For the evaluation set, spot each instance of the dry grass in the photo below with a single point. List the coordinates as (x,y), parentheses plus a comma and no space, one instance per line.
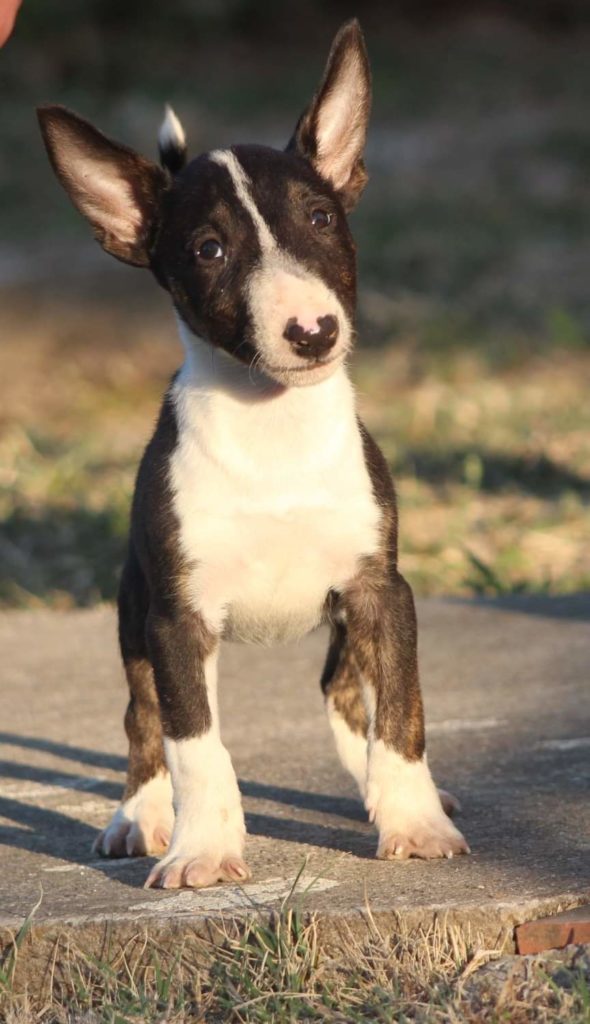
(276,970)
(492,468)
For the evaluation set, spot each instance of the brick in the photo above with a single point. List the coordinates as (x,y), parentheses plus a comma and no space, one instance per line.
(569,927)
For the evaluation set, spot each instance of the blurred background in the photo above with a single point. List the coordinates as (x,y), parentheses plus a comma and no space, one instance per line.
(473,362)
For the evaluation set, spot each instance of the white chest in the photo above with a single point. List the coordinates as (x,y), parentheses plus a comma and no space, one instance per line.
(274,502)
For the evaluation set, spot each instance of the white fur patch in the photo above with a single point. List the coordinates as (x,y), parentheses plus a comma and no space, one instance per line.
(351,747)
(171,133)
(209,816)
(242,185)
(209,825)
(272,495)
(399,791)
(146,813)
(404,803)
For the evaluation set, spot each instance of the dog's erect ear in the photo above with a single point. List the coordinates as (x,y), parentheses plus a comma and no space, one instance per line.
(331,133)
(172,142)
(116,189)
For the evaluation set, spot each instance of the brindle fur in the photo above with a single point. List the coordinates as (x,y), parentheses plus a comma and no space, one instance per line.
(143,723)
(374,633)
(341,682)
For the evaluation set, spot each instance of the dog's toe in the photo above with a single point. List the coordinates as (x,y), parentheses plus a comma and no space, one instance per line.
(196,872)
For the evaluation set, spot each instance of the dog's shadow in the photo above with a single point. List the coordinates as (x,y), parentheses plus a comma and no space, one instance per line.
(48,831)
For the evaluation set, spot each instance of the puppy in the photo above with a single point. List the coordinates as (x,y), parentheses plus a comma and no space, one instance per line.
(263,508)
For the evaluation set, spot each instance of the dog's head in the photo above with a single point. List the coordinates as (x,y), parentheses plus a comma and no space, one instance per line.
(252,243)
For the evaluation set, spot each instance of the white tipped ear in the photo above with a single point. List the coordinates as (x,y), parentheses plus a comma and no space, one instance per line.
(172,142)
(116,189)
(332,131)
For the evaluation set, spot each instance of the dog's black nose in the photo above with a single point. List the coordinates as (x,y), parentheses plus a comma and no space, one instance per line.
(315,342)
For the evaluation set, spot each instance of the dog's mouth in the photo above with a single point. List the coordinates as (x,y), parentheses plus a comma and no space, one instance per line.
(316,364)
(312,372)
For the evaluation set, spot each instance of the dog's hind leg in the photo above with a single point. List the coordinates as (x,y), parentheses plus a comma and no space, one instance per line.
(341,686)
(144,821)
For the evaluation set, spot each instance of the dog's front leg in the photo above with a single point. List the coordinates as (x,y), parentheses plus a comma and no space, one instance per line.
(209,830)
(401,797)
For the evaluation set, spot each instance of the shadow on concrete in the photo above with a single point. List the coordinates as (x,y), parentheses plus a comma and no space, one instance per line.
(359,842)
(47,831)
(80,754)
(346,807)
(566,606)
(110,790)
(517,811)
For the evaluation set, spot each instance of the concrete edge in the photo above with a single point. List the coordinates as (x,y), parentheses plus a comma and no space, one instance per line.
(37,959)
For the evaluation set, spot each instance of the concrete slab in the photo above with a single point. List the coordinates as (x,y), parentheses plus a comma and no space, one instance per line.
(506,691)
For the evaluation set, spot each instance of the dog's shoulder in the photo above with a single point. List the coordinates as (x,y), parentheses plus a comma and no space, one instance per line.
(154,523)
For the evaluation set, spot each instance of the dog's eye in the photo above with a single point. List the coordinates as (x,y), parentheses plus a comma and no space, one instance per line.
(210,249)
(321,218)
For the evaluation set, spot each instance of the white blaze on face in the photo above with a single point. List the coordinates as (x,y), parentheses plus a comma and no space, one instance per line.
(281,289)
(225,158)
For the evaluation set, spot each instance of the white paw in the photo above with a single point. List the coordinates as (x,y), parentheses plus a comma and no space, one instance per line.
(142,826)
(209,830)
(174,872)
(426,839)
(403,802)
(206,848)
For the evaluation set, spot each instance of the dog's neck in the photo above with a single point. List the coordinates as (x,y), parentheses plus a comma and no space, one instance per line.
(212,370)
(230,406)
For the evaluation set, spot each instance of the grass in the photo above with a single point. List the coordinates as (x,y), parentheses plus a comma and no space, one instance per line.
(492,471)
(277,970)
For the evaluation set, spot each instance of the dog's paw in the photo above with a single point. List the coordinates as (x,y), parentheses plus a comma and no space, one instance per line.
(124,838)
(450,804)
(142,826)
(176,872)
(427,840)
(411,814)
